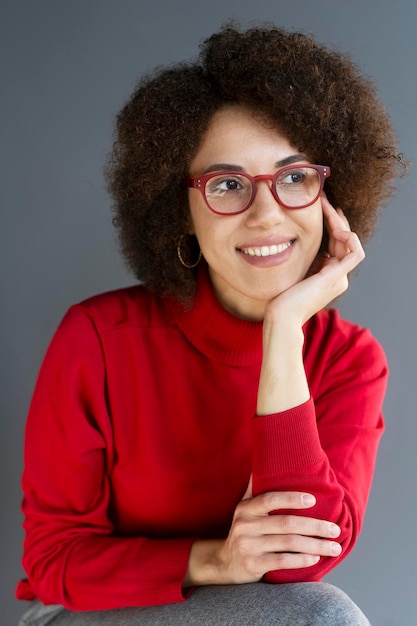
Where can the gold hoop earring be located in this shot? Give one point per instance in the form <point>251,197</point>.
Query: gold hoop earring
<point>189,266</point>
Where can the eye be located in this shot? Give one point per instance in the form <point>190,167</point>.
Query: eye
<point>225,184</point>
<point>294,177</point>
<point>229,185</point>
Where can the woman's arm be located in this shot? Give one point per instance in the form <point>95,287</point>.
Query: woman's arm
<point>290,460</point>
<point>283,383</point>
<point>73,554</point>
<point>289,449</point>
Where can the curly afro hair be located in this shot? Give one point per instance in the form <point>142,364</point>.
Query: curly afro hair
<point>327,109</point>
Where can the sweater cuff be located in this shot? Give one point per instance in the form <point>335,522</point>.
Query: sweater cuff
<point>163,577</point>
<point>286,442</point>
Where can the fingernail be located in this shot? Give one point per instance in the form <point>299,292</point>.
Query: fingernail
<point>313,559</point>
<point>308,499</point>
<point>334,530</point>
<point>335,549</point>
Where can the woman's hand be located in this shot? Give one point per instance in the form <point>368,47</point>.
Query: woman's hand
<point>283,384</point>
<point>258,542</point>
<point>328,278</point>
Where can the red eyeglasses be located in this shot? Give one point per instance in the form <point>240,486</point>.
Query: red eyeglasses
<point>229,193</point>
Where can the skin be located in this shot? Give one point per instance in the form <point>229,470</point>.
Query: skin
<point>238,138</point>
<point>284,291</point>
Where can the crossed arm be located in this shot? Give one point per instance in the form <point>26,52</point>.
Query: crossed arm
<point>258,542</point>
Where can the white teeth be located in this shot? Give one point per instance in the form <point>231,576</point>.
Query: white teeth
<point>267,250</point>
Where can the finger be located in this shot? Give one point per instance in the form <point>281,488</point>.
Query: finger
<point>344,218</point>
<point>331,213</point>
<point>354,249</point>
<point>297,524</point>
<point>298,543</point>
<point>335,218</point>
<point>264,503</point>
<point>289,561</point>
<point>277,524</point>
<point>342,241</point>
<point>260,564</point>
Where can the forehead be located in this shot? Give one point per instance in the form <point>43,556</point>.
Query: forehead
<point>237,135</point>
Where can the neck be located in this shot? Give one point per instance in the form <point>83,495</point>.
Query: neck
<point>238,305</point>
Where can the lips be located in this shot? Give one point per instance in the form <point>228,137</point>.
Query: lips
<point>265,251</point>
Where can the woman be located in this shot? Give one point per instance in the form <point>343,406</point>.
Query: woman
<point>192,439</point>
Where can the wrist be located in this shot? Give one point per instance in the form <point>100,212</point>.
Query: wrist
<point>279,313</point>
<point>204,564</point>
<point>282,383</point>
<point>285,333</point>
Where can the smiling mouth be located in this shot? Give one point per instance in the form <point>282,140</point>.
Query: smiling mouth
<point>267,250</point>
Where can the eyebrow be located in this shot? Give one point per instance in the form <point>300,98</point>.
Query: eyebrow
<point>230,167</point>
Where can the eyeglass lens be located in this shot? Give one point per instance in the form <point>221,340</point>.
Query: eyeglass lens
<point>230,193</point>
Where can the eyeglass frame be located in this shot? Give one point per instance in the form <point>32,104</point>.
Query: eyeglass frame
<point>200,182</point>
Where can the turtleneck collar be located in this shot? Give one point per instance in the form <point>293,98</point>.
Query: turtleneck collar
<point>218,334</point>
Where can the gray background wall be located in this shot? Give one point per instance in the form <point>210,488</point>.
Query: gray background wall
<point>66,68</point>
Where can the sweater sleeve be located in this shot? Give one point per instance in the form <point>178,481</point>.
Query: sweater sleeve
<point>328,445</point>
<point>72,553</point>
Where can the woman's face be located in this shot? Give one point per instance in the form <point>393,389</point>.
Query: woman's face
<point>238,139</point>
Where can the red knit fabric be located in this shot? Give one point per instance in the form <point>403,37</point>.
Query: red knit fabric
<point>142,436</point>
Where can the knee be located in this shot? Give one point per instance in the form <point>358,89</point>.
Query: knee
<point>332,607</point>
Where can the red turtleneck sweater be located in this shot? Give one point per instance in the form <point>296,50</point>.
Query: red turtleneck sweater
<point>142,436</point>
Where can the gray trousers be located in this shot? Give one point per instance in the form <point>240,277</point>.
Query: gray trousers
<point>296,604</point>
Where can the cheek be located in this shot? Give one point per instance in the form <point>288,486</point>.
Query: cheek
<point>202,228</point>
<point>203,223</point>
<point>317,222</point>
<point>312,225</point>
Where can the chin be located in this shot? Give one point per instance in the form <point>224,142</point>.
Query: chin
<point>270,291</point>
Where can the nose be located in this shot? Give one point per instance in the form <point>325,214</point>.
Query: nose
<point>264,212</point>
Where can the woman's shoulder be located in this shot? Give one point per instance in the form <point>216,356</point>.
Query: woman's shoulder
<point>128,306</point>
<point>328,332</point>
<point>330,320</point>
